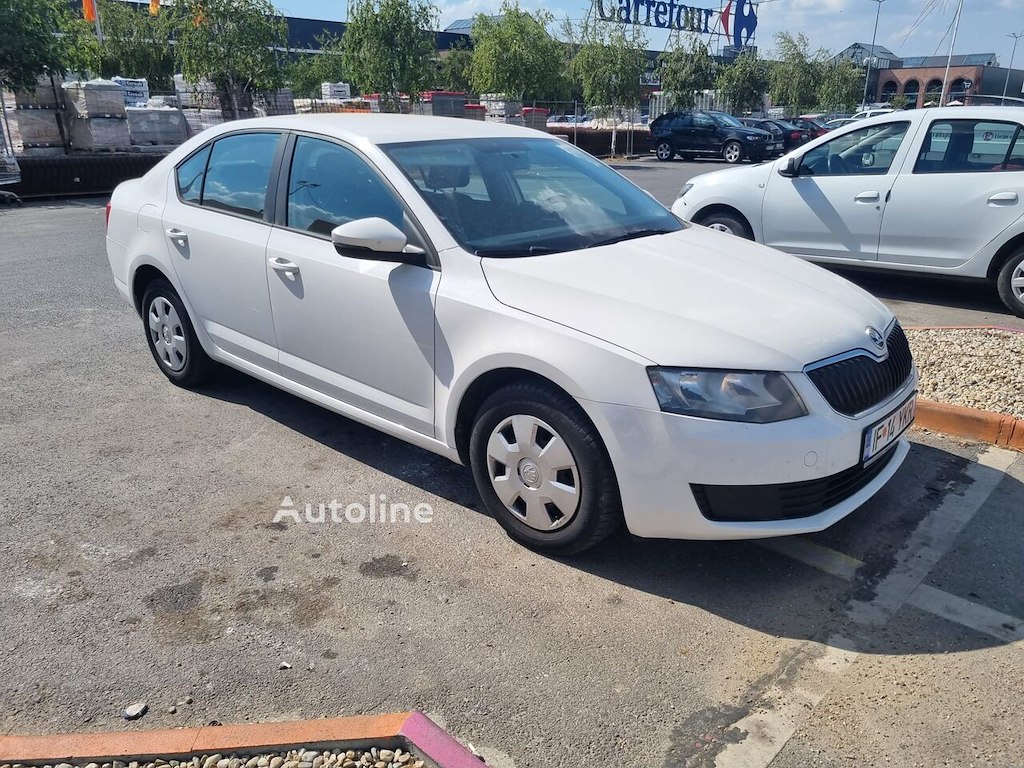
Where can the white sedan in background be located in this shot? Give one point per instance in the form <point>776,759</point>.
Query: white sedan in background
<point>931,190</point>
<point>505,300</point>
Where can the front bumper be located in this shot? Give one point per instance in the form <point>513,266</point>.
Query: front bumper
<point>665,465</point>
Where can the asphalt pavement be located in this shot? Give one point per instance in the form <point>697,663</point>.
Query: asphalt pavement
<point>143,562</point>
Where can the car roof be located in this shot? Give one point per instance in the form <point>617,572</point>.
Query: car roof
<point>953,113</point>
<point>381,128</point>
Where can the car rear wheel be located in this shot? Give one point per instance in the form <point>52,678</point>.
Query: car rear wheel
<point>732,152</point>
<point>664,151</point>
<point>1011,283</point>
<point>542,470</point>
<point>171,337</point>
<point>728,222</point>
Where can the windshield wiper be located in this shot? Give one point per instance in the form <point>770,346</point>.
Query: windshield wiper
<point>532,250</point>
<point>632,234</point>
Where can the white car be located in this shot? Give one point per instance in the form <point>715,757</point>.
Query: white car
<point>505,300</point>
<point>929,190</point>
<point>873,112</point>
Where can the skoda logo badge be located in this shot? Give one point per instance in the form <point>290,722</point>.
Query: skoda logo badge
<point>876,338</point>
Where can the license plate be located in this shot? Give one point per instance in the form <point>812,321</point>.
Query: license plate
<point>887,431</point>
<point>774,146</point>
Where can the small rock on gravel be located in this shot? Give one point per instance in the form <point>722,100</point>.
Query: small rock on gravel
<point>134,711</point>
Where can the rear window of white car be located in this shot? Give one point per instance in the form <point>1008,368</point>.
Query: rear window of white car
<point>971,146</point>
<point>231,174</point>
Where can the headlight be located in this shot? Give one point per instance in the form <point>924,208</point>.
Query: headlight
<point>750,396</point>
<point>686,188</point>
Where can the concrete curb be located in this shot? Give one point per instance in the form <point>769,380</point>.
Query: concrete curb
<point>413,731</point>
<point>984,426</point>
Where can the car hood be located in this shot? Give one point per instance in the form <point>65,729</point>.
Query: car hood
<point>694,298</point>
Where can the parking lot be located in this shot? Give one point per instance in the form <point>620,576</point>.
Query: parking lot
<point>144,564</point>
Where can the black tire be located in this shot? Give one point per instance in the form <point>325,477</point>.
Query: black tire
<point>664,151</point>
<point>195,366</point>
<point>726,220</point>
<point>1013,299</point>
<point>598,511</point>
<point>732,152</point>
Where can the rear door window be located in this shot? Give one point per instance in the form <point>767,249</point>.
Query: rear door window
<point>970,146</point>
<point>190,175</point>
<point>238,173</point>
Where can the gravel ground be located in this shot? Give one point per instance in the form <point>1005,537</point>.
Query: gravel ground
<point>299,758</point>
<point>978,368</point>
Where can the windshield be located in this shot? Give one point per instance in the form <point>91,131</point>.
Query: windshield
<point>724,119</point>
<point>786,126</point>
<point>526,197</point>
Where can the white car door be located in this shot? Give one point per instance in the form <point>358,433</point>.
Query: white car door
<point>358,330</point>
<point>965,186</point>
<point>216,232</point>
<point>833,207</point>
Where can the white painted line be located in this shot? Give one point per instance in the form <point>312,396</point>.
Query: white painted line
<point>967,614</point>
<point>813,672</point>
<point>809,677</point>
<point>807,552</point>
<point>933,538</point>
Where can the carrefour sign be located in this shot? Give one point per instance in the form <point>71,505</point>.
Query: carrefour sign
<point>736,20</point>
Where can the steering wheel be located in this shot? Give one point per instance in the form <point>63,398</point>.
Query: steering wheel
<point>837,165</point>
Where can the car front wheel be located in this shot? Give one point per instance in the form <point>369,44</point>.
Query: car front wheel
<point>171,338</point>
<point>1011,283</point>
<point>732,152</point>
<point>542,470</point>
<point>725,221</point>
<point>664,151</point>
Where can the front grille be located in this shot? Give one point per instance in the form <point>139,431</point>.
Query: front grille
<point>785,501</point>
<point>859,383</point>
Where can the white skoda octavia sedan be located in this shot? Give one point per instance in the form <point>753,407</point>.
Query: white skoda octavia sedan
<point>928,190</point>
<point>507,301</point>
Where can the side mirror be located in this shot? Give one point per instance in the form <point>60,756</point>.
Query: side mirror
<point>791,169</point>
<point>375,239</point>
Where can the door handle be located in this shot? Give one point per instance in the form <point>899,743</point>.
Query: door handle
<point>1003,198</point>
<point>180,238</point>
<point>867,197</point>
<point>283,265</point>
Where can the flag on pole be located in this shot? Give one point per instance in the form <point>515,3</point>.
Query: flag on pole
<point>154,7</point>
<point>89,10</point>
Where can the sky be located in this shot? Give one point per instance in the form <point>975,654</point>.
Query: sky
<point>906,27</point>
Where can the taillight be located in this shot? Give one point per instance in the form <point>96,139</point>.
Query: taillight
<point>794,134</point>
<point>106,224</point>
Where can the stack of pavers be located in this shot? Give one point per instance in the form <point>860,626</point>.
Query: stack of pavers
<point>200,103</point>
<point>35,118</point>
<point>441,104</point>
<point>96,115</point>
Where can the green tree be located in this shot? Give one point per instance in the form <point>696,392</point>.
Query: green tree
<point>514,55</point>
<point>388,49</point>
<point>454,70</point>
<point>840,85</point>
<point>136,44</point>
<point>686,69</point>
<point>608,61</point>
<point>310,70</point>
<point>899,101</point>
<point>796,73</point>
<point>28,47</point>
<point>80,50</point>
<point>744,83</point>
<point>235,44</point>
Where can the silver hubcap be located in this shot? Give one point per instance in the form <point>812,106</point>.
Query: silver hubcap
<point>664,151</point>
<point>167,335</point>
<point>732,153</point>
<point>719,227</point>
<point>1017,282</point>
<point>533,472</point>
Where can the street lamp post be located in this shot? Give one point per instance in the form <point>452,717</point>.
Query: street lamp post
<point>949,59</point>
<point>874,35</point>
<point>1016,36</point>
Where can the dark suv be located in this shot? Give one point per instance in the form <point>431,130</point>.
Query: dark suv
<point>708,133</point>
